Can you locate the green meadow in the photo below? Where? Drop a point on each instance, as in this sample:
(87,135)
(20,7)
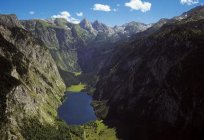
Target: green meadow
(76,88)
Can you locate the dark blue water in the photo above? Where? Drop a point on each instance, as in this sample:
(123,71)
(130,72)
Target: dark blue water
(76,109)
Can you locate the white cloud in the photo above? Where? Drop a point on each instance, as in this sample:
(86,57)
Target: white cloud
(118,5)
(101,7)
(80,14)
(66,15)
(31,12)
(189,2)
(139,5)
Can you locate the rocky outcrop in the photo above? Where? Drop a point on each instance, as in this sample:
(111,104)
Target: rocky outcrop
(85,24)
(152,88)
(30,84)
(9,21)
(62,40)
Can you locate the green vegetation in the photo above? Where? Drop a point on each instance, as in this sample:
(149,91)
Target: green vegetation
(74,78)
(46,24)
(95,130)
(76,88)
(79,32)
(61,22)
(33,129)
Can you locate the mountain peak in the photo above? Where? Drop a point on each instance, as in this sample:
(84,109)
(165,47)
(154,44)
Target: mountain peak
(84,21)
(85,24)
(195,13)
(134,23)
(10,20)
(99,26)
(96,22)
(61,22)
(196,9)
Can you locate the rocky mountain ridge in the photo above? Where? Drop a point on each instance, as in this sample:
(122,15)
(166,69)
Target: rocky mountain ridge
(191,15)
(152,87)
(30,83)
(70,44)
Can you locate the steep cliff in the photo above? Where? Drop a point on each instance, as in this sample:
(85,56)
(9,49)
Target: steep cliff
(30,85)
(80,47)
(152,88)
(63,38)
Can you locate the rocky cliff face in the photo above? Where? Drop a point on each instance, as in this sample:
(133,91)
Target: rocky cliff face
(80,47)
(9,21)
(31,87)
(153,87)
(30,84)
(63,38)
(93,59)
(85,24)
(149,88)
(192,15)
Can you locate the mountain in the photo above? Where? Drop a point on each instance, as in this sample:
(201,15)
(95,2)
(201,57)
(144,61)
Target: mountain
(100,27)
(85,24)
(70,44)
(155,27)
(30,84)
(62,39)
(146,80)
(194,14)
(9,21)
(31,88)
(32,53)
(151,88)
(135,27)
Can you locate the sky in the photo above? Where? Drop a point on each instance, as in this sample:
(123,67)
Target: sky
(110,12)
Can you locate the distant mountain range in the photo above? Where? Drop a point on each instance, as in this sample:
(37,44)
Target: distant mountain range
(70,44)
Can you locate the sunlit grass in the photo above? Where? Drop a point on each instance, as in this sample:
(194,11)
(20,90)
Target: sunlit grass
(97,130)
(76,88)
(105,132)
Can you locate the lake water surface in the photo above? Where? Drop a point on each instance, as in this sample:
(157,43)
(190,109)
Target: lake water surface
(76,109)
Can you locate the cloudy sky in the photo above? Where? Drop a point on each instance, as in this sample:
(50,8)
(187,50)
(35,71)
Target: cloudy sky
(111,12)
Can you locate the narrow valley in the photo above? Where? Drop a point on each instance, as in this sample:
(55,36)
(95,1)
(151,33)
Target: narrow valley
(89,81)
